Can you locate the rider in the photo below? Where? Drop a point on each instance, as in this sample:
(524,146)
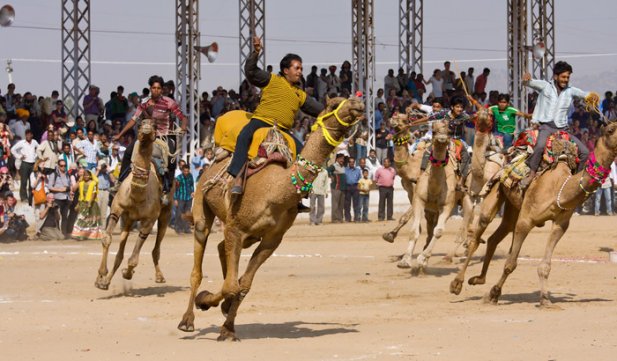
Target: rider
(281,98)
(505,119)
(551,112)
(158,108)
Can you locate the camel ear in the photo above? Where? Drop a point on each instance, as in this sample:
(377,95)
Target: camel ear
(328,99)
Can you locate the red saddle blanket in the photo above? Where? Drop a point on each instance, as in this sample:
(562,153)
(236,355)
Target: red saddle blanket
(529,137)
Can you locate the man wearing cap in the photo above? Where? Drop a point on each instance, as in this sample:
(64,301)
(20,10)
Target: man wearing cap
(21,125)
(93,105)
(106,180)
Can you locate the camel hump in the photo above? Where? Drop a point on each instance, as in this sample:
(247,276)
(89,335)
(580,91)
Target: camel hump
(229,125)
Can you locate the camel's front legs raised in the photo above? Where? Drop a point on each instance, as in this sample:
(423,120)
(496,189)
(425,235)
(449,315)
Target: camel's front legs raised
(560,226)
(488,210)
(523,227)
(144,231)
(417,211)
(230,306)
(390,236)
(101,280)
(162,224)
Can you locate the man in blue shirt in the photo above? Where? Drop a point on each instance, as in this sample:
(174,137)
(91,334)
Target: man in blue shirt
(183,198)
(551,111)
(353,175)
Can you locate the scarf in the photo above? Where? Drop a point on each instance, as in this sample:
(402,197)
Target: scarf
(89,196)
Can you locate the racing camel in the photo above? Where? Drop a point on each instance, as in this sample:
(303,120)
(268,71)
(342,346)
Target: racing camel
(263,214)
(552,196)
(138,199)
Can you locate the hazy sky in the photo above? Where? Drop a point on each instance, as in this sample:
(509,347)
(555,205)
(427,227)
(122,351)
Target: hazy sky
(132,40)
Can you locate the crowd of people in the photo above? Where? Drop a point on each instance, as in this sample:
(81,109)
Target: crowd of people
(65,168)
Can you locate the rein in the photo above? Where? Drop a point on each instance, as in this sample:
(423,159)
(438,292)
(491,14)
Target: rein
(320,124)
(439,162)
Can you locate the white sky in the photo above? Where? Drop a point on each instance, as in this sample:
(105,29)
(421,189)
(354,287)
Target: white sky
(472,32)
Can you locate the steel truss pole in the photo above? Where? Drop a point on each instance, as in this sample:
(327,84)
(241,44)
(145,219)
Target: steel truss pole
(75,53)
(543,29)
(363,59)
(410,44)
(188,70)
(252,23)
(517,52)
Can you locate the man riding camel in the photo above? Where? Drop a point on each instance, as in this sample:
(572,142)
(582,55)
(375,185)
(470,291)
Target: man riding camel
(158,108)
(551,111)
(281,98)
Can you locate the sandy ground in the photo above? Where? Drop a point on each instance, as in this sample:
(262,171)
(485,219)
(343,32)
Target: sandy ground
(331,292)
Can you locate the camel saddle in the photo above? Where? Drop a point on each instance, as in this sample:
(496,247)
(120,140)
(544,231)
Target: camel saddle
(559,147)
(269,145)
(160,155)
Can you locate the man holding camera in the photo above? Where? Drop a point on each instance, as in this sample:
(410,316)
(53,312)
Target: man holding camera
(50,215)
(59,188)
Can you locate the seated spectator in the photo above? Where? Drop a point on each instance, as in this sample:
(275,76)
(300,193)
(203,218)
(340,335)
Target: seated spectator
(6,181)
(50,221)
(13,226)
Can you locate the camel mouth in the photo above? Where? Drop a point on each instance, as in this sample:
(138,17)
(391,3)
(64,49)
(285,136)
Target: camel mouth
(441,138)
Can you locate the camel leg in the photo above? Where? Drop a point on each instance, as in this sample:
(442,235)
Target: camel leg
(559,228)
(488,210)
(424,256)
(523,227)
(390,236)
(100,279)
(161,227)
(506,226)
(230,306)
(128,224)
(417,211)
(468,210)
(145,229)
(203,219)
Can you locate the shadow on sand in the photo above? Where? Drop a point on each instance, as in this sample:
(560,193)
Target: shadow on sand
(159,291)
(534,298)
(287,330)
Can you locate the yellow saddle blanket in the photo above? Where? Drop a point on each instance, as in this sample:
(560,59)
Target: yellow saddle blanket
(230,124)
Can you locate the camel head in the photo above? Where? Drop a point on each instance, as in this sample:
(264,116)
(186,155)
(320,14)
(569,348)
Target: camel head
(147,131)
(348,113)
(609,137)
(484,120)
(440,133)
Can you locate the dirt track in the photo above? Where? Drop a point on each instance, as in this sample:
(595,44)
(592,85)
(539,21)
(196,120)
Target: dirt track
(330,293)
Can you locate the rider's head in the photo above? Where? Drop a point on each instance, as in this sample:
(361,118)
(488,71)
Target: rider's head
(457,105)
(437,105)
(156,86)
(561,74)
(291,68)
(503,100)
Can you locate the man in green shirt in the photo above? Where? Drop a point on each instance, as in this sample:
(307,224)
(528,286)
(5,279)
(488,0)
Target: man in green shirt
(505,119)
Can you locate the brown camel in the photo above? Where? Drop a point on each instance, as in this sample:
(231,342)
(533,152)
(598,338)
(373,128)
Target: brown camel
(434,194)
(138,199)
(553,196)
(263,214)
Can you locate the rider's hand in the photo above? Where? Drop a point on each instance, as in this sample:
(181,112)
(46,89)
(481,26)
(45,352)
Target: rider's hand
(257,44)
(526,76)
(116,137)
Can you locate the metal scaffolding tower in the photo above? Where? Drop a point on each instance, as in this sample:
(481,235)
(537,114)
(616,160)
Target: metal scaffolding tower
(543,30)
(252,23)
(517,52)
(410,44)
(75,53)
(363,59)
(188,70)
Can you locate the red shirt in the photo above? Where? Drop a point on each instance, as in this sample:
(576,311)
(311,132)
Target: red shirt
(159,112)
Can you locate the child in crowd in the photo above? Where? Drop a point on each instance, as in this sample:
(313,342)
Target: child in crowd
(364,187)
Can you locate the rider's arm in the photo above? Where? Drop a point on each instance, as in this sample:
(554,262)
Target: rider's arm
(175,109)
(256,76)
(311,106)
(130,124)
(578,93)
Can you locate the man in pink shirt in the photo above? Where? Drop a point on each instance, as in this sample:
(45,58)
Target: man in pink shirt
(384,178)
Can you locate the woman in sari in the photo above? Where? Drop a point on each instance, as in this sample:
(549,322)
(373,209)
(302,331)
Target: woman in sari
(89,225)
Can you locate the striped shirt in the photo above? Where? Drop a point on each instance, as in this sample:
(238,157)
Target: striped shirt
(159,111)
(185,186)
(551,105)
(90,149)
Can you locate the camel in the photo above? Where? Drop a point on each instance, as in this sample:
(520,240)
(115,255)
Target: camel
(552,196)
(263,214)
(138,199)
(434,196)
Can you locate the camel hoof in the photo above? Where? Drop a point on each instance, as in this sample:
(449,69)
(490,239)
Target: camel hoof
(403,263)
(229,338)
(101,283)
(494,294)
(546,304)
(389,237)
(127,274)
(186,325)
(476,280)
(160,279)
(417,270)
(456,286)
(200,300)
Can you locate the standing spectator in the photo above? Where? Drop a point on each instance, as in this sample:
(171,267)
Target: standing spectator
(67,155)
(47,153)
(420,85)
(21,125)
(380,98)
(390,82)
(58,116)
(11,103)
(108,105)
(481,81)
(448,77)
(5,144)
(49,219)
(89,223)
(59,187)
(402,79)
(372,163)
(353,175)
(333,81)
(436,82)
(380,114)
(605,189)
(89,149)
(74,175)
(185,188)
(106,181)
(337,186)
(362,140)
(133,105)
(311,80)
(384,178)
(346,76)
(119,105)
(608,98)
(320,192)
(382,136)
(218,102)
(469,80)
(364,188)
(93,105)
(39,185)
(25,152)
